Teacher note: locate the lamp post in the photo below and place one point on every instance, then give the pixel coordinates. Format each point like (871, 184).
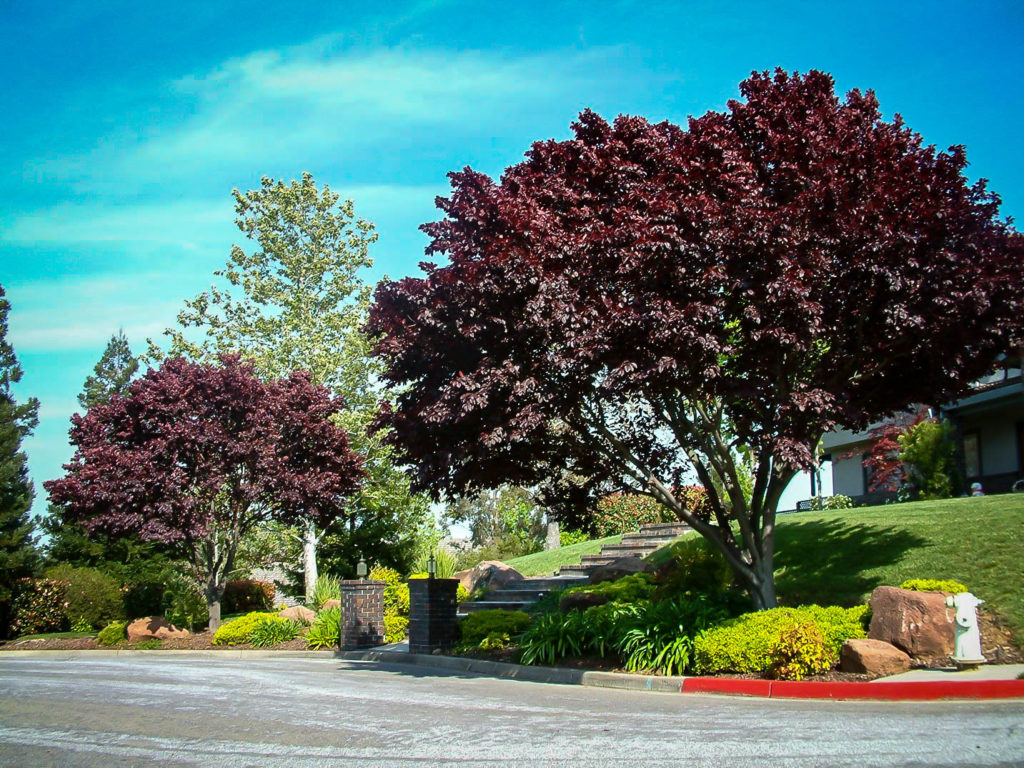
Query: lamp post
(361, 568)
(431, 566)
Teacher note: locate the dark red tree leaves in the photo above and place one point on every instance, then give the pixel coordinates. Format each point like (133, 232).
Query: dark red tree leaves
(644, 298)
(195, 448)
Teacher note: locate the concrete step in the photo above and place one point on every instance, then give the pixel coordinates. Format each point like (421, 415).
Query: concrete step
(490, 605)
(627, 550)
(676, 529)
(593, 560)
(532, 584)
(645, 540)
(581, 569)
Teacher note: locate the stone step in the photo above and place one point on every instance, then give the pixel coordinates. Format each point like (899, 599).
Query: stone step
(581, 569)
(490, 605)
(645, 540)
(676, 529)
(625, 550)
(545, 583)
(593, 560)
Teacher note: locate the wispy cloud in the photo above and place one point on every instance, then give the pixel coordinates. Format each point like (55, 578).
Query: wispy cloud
(320, 103)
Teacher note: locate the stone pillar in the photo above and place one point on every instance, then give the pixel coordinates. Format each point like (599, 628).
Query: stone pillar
(432, 614)
(362, 615)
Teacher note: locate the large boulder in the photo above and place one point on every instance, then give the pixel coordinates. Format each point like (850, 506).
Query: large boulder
(876, 658)
(332, 603)
(489, 574)
(616, 569)
(298, 613)
(918, 623)
(153, 628)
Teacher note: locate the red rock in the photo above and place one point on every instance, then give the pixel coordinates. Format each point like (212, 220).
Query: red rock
(298, 613)
(153, 628)
(465, 579)
(616, 569)
(876, 658)
(493, 574)
(918, 623)
(332, 603)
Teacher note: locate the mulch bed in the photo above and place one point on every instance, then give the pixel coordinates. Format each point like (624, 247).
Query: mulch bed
(199, 641)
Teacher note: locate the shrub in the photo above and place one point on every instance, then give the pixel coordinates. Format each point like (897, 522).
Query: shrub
(494, 642)
(184, 603)
(273, 630)
(839, 501)
(927, 451)
(569, 538)
(395, 628)
(552, 637)
(396, 593)
(326, 588)
(444, 563)
(692, 564)
(800, 651)
(146, 598)
(625, 512)
(238, 630)
(115, 632)
(94, 599)
(628, 589)
(747, 643)
(245, 595)
(324, 631)
(479, 624)
(39, 605)
(934, 585)
(152, 644)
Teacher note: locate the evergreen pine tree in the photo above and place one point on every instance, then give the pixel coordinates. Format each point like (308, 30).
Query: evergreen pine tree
(112, 373)
(18, 556)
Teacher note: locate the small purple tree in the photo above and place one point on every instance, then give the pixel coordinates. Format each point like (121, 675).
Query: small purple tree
(197, 455)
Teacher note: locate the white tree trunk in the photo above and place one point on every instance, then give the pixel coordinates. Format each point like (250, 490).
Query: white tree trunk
(310, 539)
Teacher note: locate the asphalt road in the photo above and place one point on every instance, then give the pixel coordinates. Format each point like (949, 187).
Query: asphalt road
(179, 710)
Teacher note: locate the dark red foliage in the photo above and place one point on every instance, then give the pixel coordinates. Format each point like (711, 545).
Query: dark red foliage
(199, 449)
(642, 291)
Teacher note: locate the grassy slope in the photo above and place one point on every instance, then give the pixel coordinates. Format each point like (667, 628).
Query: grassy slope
(839, 557)
(544, 563)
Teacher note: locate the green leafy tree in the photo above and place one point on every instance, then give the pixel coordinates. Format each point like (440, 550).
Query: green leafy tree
(505, 518)
(18, 556)
(927, 452)
(112, 373)
(297, 302)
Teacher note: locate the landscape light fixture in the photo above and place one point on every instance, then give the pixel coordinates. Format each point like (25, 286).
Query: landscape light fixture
(431, 566)
(361, 568)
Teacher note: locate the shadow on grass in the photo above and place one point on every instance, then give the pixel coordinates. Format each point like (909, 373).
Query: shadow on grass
(825, 561)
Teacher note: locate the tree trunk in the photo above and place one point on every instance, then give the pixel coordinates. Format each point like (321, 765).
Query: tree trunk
(309, 542)
(553, 539)
(214, 593)
(759, 582)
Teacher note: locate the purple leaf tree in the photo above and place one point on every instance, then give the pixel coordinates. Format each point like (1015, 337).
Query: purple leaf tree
(197, 455)
(646, 303)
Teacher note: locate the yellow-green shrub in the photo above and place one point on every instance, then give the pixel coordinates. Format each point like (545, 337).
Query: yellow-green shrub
(748, 642)
(323, 632)
(115, 632)
(395, 628)
(479, 624)
(800, 651)
(934, 585)
(628, 589)
(238, 630)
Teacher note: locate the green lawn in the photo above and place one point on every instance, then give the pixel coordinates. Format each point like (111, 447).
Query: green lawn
(839, 557)
(545, 563)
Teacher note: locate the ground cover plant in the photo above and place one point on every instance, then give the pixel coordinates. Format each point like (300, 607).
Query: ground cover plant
(544, 563)
(324, 632)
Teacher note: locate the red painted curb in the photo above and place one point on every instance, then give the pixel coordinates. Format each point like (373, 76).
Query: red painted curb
(922, 690)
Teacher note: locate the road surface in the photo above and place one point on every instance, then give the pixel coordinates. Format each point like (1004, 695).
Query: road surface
(162, 709)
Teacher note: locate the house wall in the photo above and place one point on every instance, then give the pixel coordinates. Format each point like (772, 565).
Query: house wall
(997, 432)
(848, 474)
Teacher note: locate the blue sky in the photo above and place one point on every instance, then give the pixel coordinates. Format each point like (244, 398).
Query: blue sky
(126, 125)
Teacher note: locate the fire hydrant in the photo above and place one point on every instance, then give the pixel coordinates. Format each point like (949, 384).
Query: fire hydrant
(967, 644)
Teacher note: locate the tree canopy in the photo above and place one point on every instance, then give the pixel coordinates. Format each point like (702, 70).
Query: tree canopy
(645, 302)
(18, 556)
(198, 454)
(112, 374)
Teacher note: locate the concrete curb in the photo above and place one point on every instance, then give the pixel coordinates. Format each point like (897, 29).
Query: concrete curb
(925, 690)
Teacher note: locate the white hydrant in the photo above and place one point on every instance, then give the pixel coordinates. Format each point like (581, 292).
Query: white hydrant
(967, 648)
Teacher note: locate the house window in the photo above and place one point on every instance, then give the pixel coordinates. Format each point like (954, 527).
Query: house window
(972, 455)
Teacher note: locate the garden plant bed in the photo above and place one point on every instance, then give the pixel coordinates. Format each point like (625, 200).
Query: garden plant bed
(200, 641)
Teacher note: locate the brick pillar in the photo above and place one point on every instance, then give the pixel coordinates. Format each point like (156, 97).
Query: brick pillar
(362, 615)
(432, 609)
